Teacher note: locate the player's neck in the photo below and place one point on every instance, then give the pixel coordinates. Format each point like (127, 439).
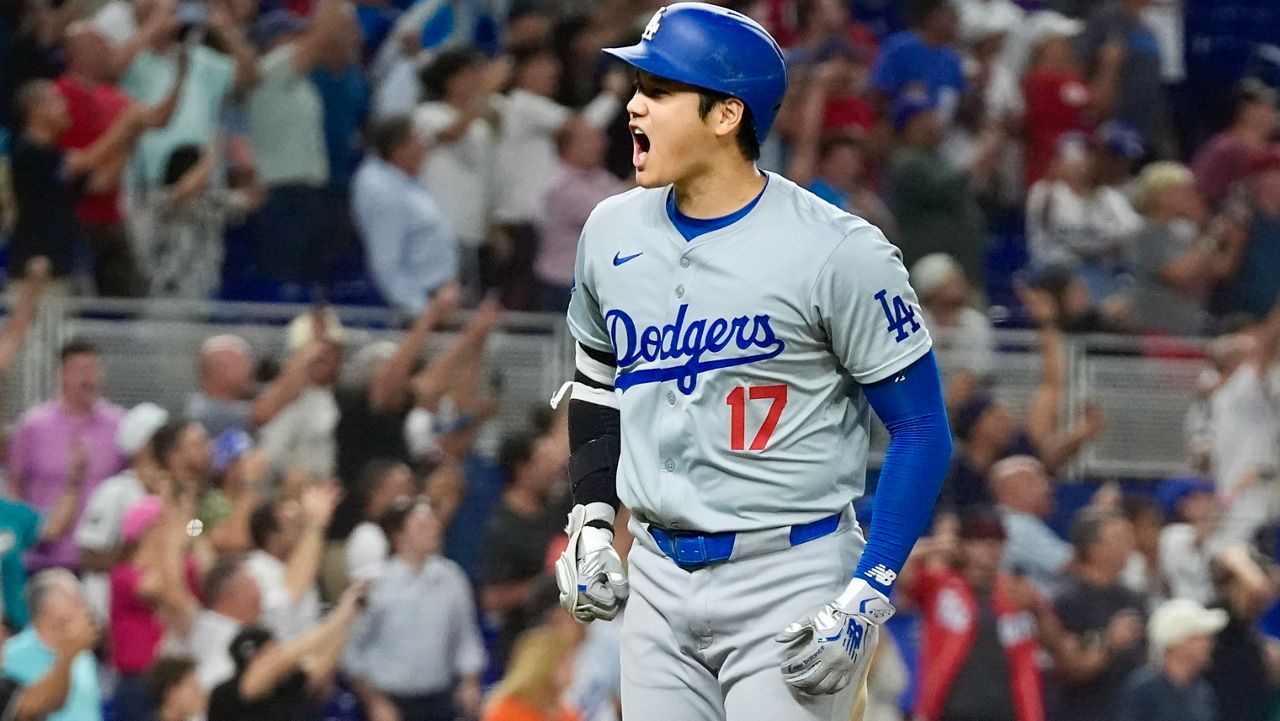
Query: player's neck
(719, 190)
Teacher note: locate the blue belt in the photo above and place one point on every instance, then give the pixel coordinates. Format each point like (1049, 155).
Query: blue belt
(692, 550)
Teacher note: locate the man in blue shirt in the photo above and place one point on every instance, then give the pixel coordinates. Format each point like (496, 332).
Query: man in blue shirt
(411, 248)
(921, 60)
(59, 637)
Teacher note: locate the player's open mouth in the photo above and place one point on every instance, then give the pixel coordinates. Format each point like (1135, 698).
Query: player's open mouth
(640, 147)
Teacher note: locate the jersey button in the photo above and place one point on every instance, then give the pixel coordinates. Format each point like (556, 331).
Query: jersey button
(669, 465)
(671, 398)
(685, 262)
(679, 291)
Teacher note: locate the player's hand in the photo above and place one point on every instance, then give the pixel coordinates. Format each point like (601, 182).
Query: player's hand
(592, 580)
(827, 651)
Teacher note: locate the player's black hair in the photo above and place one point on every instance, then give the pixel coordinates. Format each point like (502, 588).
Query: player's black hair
(390, 133)
(76, 346)
(436, 75)
(166, 673)
(747, 142)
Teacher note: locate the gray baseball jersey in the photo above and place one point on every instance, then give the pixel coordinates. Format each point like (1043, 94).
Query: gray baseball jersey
(740, 354)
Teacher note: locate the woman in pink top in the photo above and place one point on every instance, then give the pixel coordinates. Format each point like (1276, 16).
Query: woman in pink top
(153, 589)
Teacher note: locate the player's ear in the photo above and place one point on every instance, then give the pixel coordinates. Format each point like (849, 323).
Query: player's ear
(727, 114)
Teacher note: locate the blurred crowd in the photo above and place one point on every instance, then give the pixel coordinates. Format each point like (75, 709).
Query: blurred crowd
(327, 541)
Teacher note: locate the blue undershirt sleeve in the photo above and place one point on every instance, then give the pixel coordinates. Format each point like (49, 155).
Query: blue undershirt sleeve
(910, 403)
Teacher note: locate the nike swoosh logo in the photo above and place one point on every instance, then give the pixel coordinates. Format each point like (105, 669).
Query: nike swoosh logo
(619, 259)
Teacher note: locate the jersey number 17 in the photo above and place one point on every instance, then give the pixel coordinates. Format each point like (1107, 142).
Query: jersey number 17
(737, 401)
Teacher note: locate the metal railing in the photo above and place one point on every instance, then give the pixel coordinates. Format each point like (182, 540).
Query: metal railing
(150, 347)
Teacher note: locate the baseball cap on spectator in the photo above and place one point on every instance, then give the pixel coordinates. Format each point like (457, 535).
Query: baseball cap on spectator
(141, 516)
(1119, 138)
(1049, 25)
(978, 27)
(299, 332)
(138, 426)
(981, 523)
(276, 24)
(908, 106)
(1176, 490)
(1178, 619)
(229, 447)
(1158, 177)
(1268, 159)
(931, 272)
(246, 645)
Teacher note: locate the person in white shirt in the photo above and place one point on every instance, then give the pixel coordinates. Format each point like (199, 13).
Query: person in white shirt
(456, 123)
(1187, 542)
(526, 150)
(98, 534)
(288, 539)
(301, 434)
(1073, 217)
(1245, 426)
(381, 483)
(962, 334)
(233, 600)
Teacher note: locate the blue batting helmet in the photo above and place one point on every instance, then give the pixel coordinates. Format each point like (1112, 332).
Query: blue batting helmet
(715, 49)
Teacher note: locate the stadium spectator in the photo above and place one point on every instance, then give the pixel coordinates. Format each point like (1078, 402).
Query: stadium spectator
(49, 182)
(1103, 619)
(1172, 686)
(536, 678)
(1072, 217)
(294, 229)
(1180, 254)
(226, 398)
(838, 174)
(1253, 288)
(411, 247)
(1140, 100)
(383, 483)
(93, 104)
(182, 449)
(344, 97)
(921, 61)
(936, 208)
(1024, 494)
(418, 647)
(288, 540)
(1243, 455)
(233, 601)
(1225, 158)
(514, 550)
(175, 690)
(962, 334)
(1060, 100)
(580, 182)
(23, 528)
(55, 438)
(455, 123)
(1143, 573)
(279, 680)
(301, 433)
(58, 642)
(978, 652)
(98, 535)
(1187, 541)
(48, 693)
(1245, 671)
(240, 475)
(153, 587)
(529, 120)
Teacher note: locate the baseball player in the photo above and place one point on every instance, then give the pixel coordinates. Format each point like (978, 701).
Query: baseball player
(733, 331)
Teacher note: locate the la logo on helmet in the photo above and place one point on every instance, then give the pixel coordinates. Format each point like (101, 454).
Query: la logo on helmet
(652, 28)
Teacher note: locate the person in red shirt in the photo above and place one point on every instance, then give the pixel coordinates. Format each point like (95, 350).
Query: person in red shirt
(1224, 160)
(1059, 100)
(93, 104)
(978, 652)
